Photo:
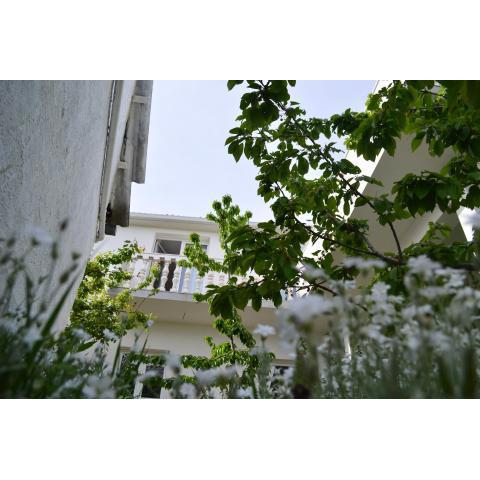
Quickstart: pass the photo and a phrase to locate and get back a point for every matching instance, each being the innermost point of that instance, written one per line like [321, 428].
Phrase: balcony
[172, 277]
[174, 303]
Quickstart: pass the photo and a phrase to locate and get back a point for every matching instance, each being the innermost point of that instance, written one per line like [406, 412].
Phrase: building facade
[180, 323]
[69, 150]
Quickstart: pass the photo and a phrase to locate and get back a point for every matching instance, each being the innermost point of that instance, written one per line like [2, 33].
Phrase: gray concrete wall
[52, 144]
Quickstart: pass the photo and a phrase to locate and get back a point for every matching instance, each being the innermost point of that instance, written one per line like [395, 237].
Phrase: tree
[100, 312]
[274, 133]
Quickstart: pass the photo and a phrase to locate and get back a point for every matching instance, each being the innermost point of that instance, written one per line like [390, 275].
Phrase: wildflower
[374, 332]
[32, 336]
[264, 331]
[148, 374]
[81, 334]
[188, 390]
[9, 325]
[173, 361]
[305, 308]
[363, 264]
[289, 335]
[422, 266]
[312, 273]
[109, 335]
[149, 323]
[245, 392]
[439, 340]
[455, 278]
[98, 387]
[208, 377]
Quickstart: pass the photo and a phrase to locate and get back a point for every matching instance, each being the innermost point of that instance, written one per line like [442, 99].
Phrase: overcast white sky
[188, 166]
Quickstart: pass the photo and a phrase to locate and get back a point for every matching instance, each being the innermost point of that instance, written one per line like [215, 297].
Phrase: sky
[188, 166]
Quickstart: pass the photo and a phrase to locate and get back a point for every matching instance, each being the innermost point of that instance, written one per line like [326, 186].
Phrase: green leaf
[86, 345]
[256, 302]
[360, 202]
[471, 93]
[474, 146]
[277, 298]
[417, 140]
[302, 166]
[233, 83]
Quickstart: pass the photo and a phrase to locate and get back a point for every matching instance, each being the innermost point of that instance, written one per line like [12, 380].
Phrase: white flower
[373, 332]
[379, 291]
[10, 325]
[208, 377]
[245, 392]
[455, 278]
[72, 383]
[149, 323]
[312, 273]
[362, 263]
[305, 308]
[188, 390]
[432, 292]
[109, 335]
[148, 374]
[81, 334]
[32, 336]
[439, 340]
[289, 335]
[173, 361]
[98, 387]
[422, 265]
[264, 331]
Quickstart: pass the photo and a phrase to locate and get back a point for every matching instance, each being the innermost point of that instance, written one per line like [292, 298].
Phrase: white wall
[145, 236]
[189, 338]
[52, 148]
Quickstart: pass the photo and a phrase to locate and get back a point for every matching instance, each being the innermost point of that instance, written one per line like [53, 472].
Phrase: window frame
[142, 368]
[183, 238]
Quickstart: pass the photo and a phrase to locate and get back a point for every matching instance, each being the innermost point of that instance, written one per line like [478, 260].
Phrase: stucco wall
[52, 144]
[145, 236]
[189, 338]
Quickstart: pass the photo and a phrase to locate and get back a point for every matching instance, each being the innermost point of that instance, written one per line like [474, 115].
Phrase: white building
[390, 169]
[69, 150]
[180, 324]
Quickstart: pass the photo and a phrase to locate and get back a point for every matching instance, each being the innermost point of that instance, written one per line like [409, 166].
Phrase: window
[169, 247]
[280, 370]
[202, 245]
[279, 373]
[150, 389]
[173, 247]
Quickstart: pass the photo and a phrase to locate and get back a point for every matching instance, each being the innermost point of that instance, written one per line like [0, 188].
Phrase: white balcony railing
[174, 278]
[171, 277]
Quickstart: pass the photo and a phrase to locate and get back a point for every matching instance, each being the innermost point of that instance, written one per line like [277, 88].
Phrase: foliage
[36, 360]
[424, 343]
[312, 189]
[366, 323]
[40, 361]
[99, 309]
